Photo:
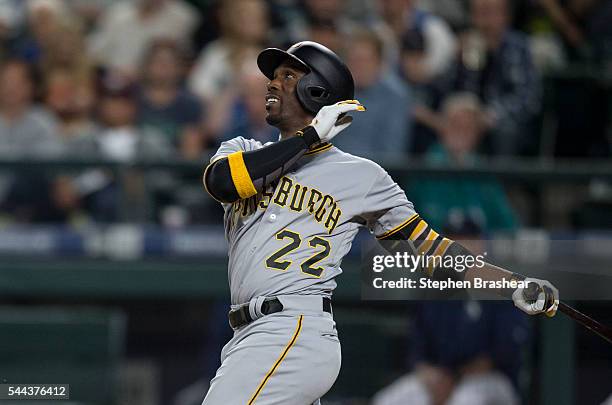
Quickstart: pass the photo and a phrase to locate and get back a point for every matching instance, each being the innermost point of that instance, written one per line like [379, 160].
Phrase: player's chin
[273, 118]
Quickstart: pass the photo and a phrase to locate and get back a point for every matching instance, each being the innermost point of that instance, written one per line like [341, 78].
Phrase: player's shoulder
[362, 165]
[242, 143]
[237, 144]
[356, 160]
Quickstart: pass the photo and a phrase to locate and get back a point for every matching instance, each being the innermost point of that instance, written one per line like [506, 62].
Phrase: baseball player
[292, 209]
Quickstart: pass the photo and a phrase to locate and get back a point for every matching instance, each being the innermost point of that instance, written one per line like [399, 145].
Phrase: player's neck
[287, 135]
[290, 130]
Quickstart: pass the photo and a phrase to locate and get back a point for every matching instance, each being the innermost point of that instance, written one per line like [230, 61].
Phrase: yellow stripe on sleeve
[417, 231]
[429, 270]
[429, 240]
[442, 247]
[319, 149]
[399, 227]
[240, 175]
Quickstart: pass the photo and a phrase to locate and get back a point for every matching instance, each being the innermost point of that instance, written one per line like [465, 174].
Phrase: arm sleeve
[238, 174]
[416, 237]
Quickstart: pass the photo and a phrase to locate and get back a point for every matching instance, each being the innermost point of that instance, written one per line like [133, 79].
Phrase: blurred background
[493, 115]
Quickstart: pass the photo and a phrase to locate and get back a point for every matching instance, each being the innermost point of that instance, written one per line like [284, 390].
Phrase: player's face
[282, 105]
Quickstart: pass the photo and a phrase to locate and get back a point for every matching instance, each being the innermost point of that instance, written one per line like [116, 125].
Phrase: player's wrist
[310, 136]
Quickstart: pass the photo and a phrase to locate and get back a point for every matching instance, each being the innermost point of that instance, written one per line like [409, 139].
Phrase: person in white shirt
[127, 29]
[244, 30]
[440, 42]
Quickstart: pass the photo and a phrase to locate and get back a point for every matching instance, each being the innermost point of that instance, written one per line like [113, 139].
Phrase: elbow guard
[218, 182]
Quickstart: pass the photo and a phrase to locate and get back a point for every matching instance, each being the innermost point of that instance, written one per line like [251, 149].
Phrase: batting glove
[330, 120]
[540, 296]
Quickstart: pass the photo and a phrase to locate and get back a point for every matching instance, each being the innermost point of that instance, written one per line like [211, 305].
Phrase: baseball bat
[591, 324]
[586, 321]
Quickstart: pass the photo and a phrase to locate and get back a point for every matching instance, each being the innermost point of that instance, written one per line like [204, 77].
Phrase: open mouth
[271, 100]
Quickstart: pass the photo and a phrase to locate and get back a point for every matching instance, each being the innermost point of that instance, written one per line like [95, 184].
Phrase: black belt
[241, 316]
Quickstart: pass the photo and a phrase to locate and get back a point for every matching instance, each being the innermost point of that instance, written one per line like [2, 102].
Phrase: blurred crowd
[121, 80]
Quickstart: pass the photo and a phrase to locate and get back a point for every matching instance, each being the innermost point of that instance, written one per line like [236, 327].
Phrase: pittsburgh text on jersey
[296, 197]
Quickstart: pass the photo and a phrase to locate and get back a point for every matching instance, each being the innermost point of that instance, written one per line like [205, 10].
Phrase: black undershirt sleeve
[410, 239]
[264, 165]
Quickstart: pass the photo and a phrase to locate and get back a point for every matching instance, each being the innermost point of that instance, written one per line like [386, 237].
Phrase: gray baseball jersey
[291, 238]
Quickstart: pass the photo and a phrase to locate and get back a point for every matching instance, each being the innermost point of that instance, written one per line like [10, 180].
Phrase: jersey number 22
[308, 266]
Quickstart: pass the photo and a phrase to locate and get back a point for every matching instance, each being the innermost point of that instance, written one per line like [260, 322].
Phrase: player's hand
[330, 120]
[540, 296]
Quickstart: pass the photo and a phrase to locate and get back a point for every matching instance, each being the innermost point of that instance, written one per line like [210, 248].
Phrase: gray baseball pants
[290, 357]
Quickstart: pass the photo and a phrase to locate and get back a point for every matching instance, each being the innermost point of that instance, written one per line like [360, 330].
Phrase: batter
[292, 209]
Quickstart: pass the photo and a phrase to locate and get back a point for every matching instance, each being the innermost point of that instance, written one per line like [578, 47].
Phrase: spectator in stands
[439, 42]
[326, 32]
[316, 15]
[12, 20]
[164, 104]
[385, 130]
[71, 197]
[66, 50]
[244, 113]
[33, 198]
[483, 201]
[128, 28]
[454, 12]
[323, 9]
[244, 26]
[90, 11]
[413, 58]
[25, 129]
[71, 101]
[44, 18]
[120, 138]
[424, 89]
[496, 64]
[462, 352]
[330, 21]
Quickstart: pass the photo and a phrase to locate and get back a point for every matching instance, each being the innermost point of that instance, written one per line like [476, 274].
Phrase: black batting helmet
[327, 79]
